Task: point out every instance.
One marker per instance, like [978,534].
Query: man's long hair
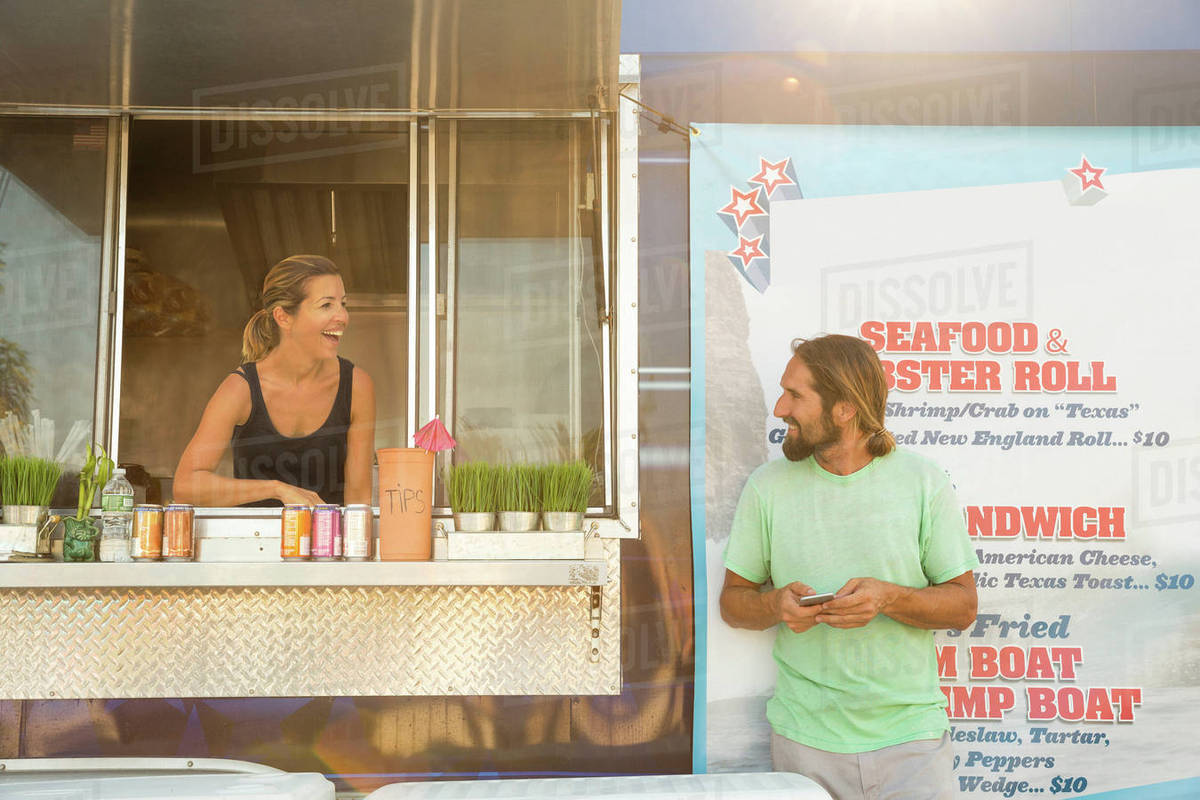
[846,369]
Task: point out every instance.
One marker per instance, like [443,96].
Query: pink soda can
[327,533]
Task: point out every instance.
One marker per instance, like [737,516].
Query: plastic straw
[69,455]
[10,435]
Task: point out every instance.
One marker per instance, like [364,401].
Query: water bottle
[116,503]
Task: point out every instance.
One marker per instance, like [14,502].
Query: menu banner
[1030,293]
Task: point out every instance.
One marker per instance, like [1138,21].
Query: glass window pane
[527,382]
[212,206]
[52,174]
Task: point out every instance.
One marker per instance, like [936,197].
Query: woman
[300,419]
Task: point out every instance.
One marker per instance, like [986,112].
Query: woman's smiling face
[321,319]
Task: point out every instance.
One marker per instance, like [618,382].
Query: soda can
[179,532]
[356,527]
[326,533]
[296,541]
[147,532]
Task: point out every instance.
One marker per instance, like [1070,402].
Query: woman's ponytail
[260,336]
[284,287]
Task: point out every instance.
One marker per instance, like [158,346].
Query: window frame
[112,244]
[618,517]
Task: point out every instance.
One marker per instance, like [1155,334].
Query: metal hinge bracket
[594,603]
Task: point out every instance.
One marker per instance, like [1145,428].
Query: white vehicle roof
[725,786]
[146,778]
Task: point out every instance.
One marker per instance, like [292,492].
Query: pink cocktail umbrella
[434,437]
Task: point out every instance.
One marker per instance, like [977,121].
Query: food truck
[560,253]
[470,166]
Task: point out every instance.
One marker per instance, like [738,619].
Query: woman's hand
[294,495]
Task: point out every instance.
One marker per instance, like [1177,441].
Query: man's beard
[799,447]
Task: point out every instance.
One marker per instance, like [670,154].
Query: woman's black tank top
[316,462]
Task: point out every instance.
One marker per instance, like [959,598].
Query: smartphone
[815,599]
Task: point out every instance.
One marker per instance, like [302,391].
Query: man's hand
[950,604]
[798,618]
[745,605]
[858,602]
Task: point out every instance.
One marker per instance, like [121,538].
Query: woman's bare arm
[360,439]
[196,481]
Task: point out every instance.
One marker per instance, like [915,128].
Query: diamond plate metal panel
[309,641]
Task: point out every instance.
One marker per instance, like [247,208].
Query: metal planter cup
[474,521]
[42,523]
[518,521]
[562,521]
[25,515]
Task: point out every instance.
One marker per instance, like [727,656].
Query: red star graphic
[743,206]
[771,175]
[1088,175]
[748,250]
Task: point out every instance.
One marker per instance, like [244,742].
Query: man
[857,706]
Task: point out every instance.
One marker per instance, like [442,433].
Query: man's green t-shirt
[897,520]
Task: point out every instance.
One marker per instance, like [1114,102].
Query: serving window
[52,234]
[211,206]
[503,328]
[522,364]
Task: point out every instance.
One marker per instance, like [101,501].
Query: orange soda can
[179,532]
[296,541]
[147,532]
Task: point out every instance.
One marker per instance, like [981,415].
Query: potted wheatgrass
[565,492]
[520,497]
[472,491]
[27,485]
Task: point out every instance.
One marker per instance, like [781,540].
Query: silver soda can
[326,530]
[357,526]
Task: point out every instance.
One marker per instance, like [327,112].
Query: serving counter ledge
[238,622]
[308,573]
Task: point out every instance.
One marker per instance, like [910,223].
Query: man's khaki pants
[920,770]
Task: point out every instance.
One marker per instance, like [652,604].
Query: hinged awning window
[417,55]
